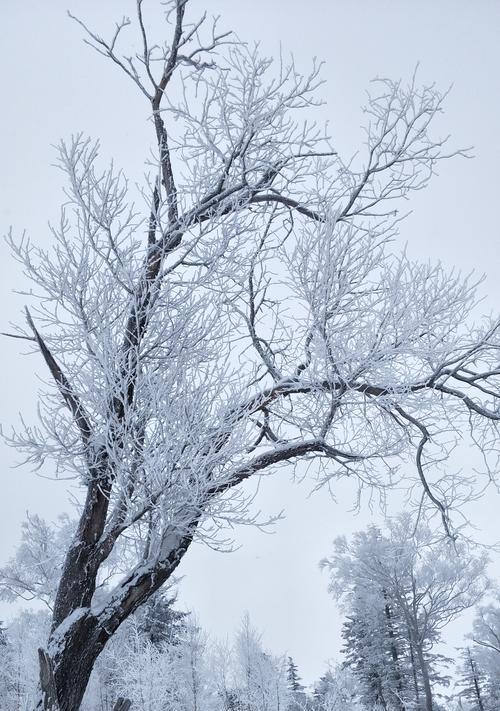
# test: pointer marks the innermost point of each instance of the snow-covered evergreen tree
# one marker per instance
(292, 675)
(158, 620)
(376, 645)
(297, 696)
(473, 682)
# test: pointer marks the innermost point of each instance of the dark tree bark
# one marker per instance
(477, 691)
(475, 679)
(65, 672)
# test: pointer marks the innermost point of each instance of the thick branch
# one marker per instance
(69, 396)
(283, 453)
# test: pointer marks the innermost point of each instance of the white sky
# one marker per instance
(53, 86)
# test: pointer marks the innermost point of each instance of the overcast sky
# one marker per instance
(53, 86)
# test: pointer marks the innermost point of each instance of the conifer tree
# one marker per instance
(373, 649)
(473, 681)
(293, 676)
(296, 689)
(159, 622)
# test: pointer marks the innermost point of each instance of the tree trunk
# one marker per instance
(75, 644)
(477, 689)
(478, 694)
(413, 667)
(68, 683)
(380, 694)
(47, 682)
(122, 705)
(395, 656)
(65, 673)
(425, 678)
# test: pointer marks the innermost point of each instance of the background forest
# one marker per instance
(396, 588)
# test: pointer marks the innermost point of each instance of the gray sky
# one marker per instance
(53, 86)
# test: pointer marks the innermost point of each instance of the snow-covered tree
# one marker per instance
(19, 661)
(192, 672)
(148, 677)
(112, 674)
(4, 661)
(261, 679)
(399, 591)
(254, 314)
(375, 635)
(292, 675)
(33, 572)
(158, 620)
(472, 681)
(297, 696)
(338, 690)
(373, 654)
(486, 632)
(486, 650)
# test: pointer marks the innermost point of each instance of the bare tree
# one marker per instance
(255, 317)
